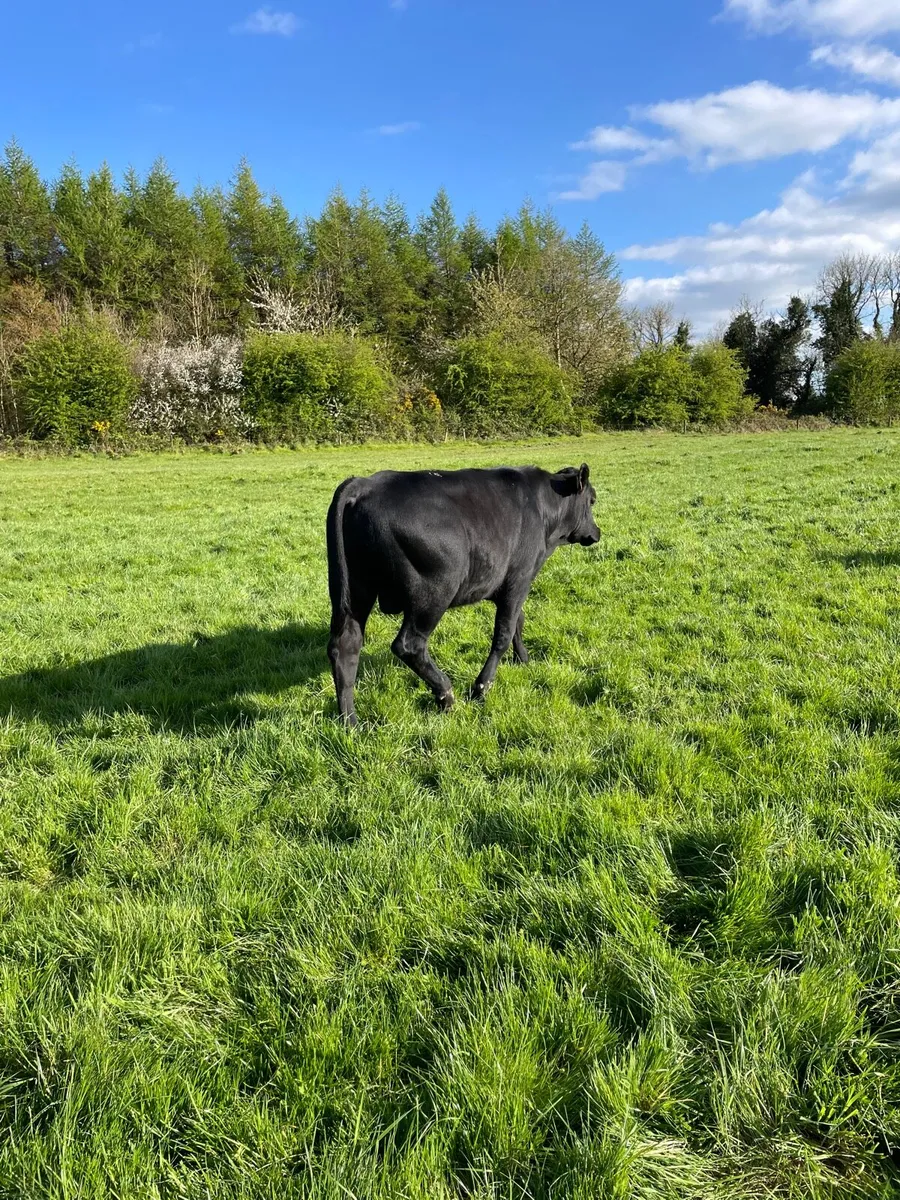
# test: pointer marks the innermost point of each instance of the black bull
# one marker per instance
(420, 542)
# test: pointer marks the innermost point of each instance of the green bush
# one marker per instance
(492, 386)
(721, 380)
(76, 385)
(420, 415)
(659, 387)
(670, 387)
(864, 384)
(301, 385)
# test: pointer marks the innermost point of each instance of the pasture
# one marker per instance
(629, 929)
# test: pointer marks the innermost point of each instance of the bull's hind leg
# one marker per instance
(411, 647)
(348, 632)
(519, 651)
(507, 626)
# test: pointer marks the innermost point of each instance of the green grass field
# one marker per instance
(630, 929)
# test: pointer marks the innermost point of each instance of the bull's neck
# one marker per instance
(557, 513)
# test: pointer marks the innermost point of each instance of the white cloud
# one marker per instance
(265, 21)
(781, 250)
(761, 120)
(871, 62)
(707, 296)
(742, 124)
(876, 170)
(845, 18)
(399, 129)
(778, 252)
(607, 139)
(601, 177)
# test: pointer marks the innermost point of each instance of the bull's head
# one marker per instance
(577, 525)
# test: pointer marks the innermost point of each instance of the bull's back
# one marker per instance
(436, 539)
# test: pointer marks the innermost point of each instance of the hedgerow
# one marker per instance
(669, 387)
(492, 386)
(192, 391)
(863, 386)
(75, 384)
(299, 385)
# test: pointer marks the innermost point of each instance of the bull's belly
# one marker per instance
(442, 594)
(390, 604)
(483, 585)
(472, 596)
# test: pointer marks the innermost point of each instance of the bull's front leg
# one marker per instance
(506, 627)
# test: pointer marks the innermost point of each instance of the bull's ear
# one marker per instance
(566, 481)
(583, 476)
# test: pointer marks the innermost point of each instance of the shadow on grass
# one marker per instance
(179, 686)
(867, 558)
(702, 861)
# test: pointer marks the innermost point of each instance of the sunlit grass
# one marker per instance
(630, 929)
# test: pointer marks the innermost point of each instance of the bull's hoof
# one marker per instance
(350, 720)
(446, 702)
(480, 690)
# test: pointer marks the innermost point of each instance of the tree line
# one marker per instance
(218, 261)
(790, 356)
(445, 305)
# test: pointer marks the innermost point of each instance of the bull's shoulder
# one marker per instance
(513, 476)
(466, 483)
(521, 480)
(535, 475)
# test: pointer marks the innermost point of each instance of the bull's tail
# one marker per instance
(338, 574)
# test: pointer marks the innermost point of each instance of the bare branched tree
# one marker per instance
(567, 299)
(755, 308)
(498, 303)
(887, 293)
(858, 274)
(577, 294)
(25, 314)
(322, 311)
(653, 326)
(315, 309)
(199, 300)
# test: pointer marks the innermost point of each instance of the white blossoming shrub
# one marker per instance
(191, 391)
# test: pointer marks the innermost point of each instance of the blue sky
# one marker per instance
(721, 148)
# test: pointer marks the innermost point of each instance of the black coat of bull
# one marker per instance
(420, 542)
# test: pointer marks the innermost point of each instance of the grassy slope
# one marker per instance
(631, 929)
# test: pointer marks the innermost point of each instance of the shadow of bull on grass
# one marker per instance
(185, 686)
(866, 558)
